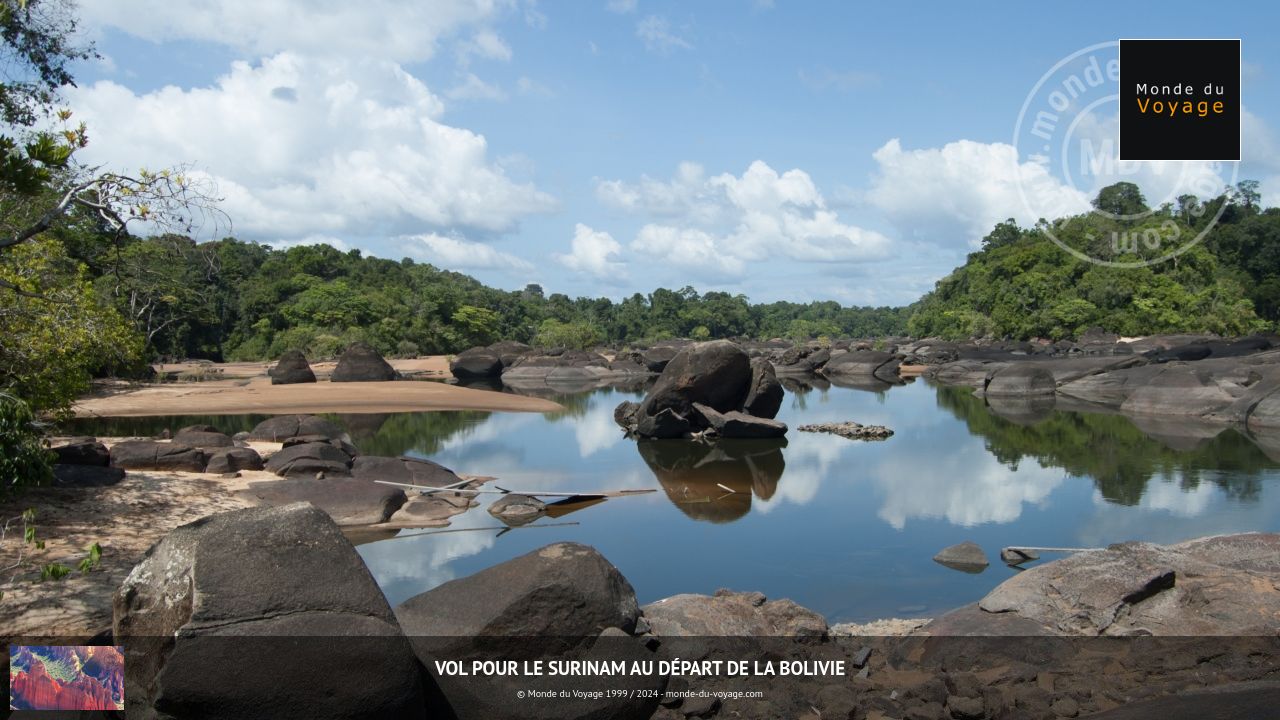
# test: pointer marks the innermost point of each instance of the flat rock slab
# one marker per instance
(732, 614)
(346, 500)
(152, 455)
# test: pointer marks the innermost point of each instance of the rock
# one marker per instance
(152, 455)
(737, 425)
(1217, 586)
(1224, 702)
(730, 614)
(665, 425)
(309, 458)
(764, 398)
(1065, 707)
(508, 351)
(478, 362)
(82, 451)
(656, 358)
(966, 708)
(361, 363)
(625, 415)
(1184, 353)
(280, 585)
(851, 430)
(1183, 391)
(1096, 335)
(864, 362)
(411, 471)
(1018, 556)
(966, 557)
(717, 374)
(199, 437)
(698, 706)
(291, 369)
(339, 443)
(1110, 388)
(347, 500)
(1021, 379)
(232, 460)
(283, 427)
(517, 509)
(65, 475)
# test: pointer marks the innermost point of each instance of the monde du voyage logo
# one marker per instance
(1180, 100)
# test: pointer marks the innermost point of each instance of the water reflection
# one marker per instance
(715, 482)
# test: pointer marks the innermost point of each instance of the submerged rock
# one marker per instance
(965, 557)
(850, 430)
(517, 509)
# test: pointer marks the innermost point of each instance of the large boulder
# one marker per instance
(764, 398)
(361, 363)
(292, 368)
(508, 351)
(82, 451)
(307, 459)
(347, 500)
(86, 475)
(280, 585)
(561, 602)
(716, 374)
(283, 427)
(411, 471)
(1110, 388)
(476, 363)
(1265, 414)
(737, 425)
(1181, 390)
(153, 455)
(732, 614)
(1216, 586)
(864, 362)
(202, 436)
(1021, 380)
(656, 358)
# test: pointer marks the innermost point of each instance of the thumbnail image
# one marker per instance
(66, 677)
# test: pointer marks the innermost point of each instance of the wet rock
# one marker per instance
(764, 399)
(152, 455)
(280, 584)
(230, 460)
(283, 427)
(1021, 379)
(86, 475)
(346, 500)
(517, 509)
(361, 363)
(292, 369)
(850, 430)
(730, 614)
(965, 557)
(82, 451)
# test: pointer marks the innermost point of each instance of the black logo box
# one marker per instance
(1185, 67)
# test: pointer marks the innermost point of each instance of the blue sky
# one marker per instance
(608, 147)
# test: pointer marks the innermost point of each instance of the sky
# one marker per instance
(783, 150)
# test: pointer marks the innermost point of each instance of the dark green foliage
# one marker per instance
(23, 459)
(1021, 285)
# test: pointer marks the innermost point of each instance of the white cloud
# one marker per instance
(960, 191)
(456, 253)
(656, 32)
(402, 30)
(358, 150)
(719, 224)
(592, 253)
(473, 88)
(621, 6)
(485, 44)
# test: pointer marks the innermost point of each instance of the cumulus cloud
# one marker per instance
(301, 146)
(486, 44)
(401, 30)
(656, 32)
(721, 223)
(451, 252)
(473, 88)
(960, 191)
(592, 253)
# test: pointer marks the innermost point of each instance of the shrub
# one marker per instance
(23, 459)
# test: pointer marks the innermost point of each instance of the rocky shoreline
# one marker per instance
(1097, 632)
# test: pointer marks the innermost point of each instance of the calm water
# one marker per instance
(846, 528)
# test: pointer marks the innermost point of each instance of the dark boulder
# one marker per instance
(308, 459)
(478, 362)
(764, 399)
(339, 443)
(152, 455)
(508, 351)
(283, 427)
(410, 471)
(346, 500)
(863, 362)
(82, 451)
(292, 369)
(666, 425)
(361, 363)
(1020, 380)
(280, 585)
(199, 436)
(716, 374)
(1184, 353)
(737, 425)
(625, 415)
(656, 358)
(231, 460)
(65, 475)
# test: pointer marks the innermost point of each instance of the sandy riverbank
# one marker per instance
(244, 388)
